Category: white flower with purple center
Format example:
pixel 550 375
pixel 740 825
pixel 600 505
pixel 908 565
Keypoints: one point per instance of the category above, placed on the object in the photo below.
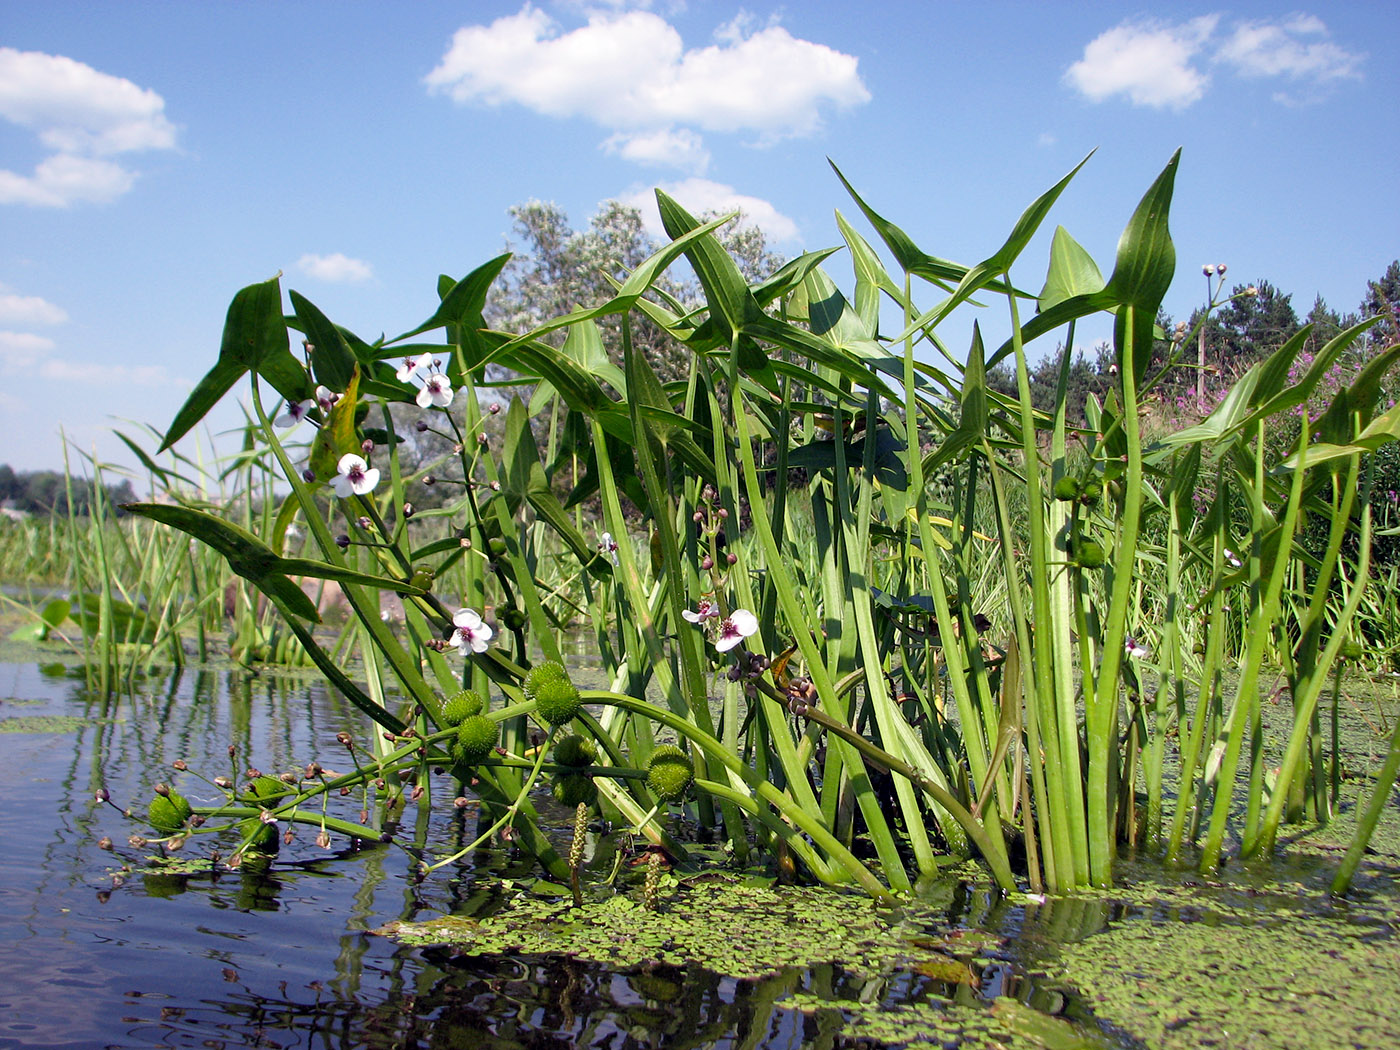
pixel 704 609
pixel 1135 650
pixel 607 547
pixel 354 476
pixel 326 398
pixel 437 390
pixel 296 412
pixel 1233 558
pixel 414 366
pixel 734 628
pixel 472 635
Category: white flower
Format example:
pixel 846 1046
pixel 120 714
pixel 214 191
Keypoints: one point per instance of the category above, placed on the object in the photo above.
pixel 734 628
pixel 413 367
pixel 296 412
pixel 326 398
pixel 354 475
pixel 471 634
pixel 1232 558
pixel 704 609
pixel 607 546
pixel 436 391
pixel 1134 649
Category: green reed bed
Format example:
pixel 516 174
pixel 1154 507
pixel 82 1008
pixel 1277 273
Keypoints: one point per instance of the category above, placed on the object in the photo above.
pixel 973 629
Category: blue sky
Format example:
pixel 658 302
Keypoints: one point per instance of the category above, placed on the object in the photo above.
pixel 156 157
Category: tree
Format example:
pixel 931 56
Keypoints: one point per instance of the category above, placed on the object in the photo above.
pixel 556 269
pixel 1383 298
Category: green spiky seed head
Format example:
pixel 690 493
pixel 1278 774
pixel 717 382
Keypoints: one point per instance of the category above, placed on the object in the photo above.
pixel 168 813
pixel 1351 650
pixel 1066 489
pixel 461 707
pixel 669 773
pixel 265 791
pixel 476 739
pixel 1091 490
pixel 1089 554
pixel 549 671
pixel 557 702
pixel 573 789
pixel 576 751
pixel 265 839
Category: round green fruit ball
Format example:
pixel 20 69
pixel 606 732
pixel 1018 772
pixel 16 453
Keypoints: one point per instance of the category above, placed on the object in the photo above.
pixel 571 789
pixel 461 707
pixel 576 751
pixel 264 837
pixel 540 675
pixel 168 813
pixel 477 737
pixel 557 702
pixel 669 773
pixel 1089 555
pixel 1066 489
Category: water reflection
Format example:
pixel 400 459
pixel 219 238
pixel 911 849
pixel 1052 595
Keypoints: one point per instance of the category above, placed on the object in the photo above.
pixel 283 954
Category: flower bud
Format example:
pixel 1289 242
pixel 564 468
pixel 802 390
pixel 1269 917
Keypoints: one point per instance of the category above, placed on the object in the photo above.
pixel 1208 269
pixel 421 426
pixel 407 510
pixel 163 790
pixel 223 782
pixel 102 795
pixel 323 840
pixel 366 448
pixel 342 541
pixel 495 408
pixel 180 764
pixel 104 843
pixel 1220 269
pixel 309 476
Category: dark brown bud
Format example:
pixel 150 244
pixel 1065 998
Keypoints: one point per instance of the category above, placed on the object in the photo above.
pixel 163 790
pixel 345 740
pixel 180 764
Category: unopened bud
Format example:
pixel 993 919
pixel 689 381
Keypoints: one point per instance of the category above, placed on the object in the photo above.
pixel 308 475
pixel 342 541
pixel 366 448
pixel 136 842
pixel 323 840
pixel 102 795
pixel 287 837
pixel 461 802
pixel 223 782
pixel 430 481
pixel 1220 269
pixel 421 426
pixel 1208 269
pixel 1251 290
pixel 180 764
pixel 707 563
pixel 253 774
pixel 481 438
pixel 267 817
pixel 495 408
pixel 104 843
pixel 408 510
pixel 344 739
pixel 163 790
pixel 177 843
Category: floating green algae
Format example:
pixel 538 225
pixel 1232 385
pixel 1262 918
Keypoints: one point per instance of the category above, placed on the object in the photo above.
pixel 1310 981
pixel 903 986
pixel 43 724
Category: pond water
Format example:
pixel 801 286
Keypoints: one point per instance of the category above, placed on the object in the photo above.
pixel 97 955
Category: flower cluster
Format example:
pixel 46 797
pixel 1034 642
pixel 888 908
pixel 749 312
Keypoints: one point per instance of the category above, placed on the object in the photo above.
pixel 436 391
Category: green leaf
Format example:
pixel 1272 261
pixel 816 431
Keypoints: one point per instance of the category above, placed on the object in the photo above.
pixel 332 361
pixel 337 434
pixel 1072 271
pixel 525 480
pixel 246 555
pixel 463 301
pixel 1144 269
pixel 725 288
pixel 255 339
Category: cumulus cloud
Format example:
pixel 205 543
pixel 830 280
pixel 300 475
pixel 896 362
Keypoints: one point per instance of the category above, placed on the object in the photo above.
pixel 1298 49
pixel 104 375
pixel 1159 64
pixel 335 267
pixel 1150 62
pixel 702 196
pixel 28 309
pixel 665 147
pixel 20 351
pixel 84 118
pixel 629 71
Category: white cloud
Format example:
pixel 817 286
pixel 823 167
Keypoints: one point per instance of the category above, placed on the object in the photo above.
pixel 82 116
pixel 22 350
pixel 1259 49
pixel 665 147
pixel 1150 62
pixel 702 196
pixel 630 72
pixel 28 309
pixel 335 267
pixel 104 375
pixel 1157 64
